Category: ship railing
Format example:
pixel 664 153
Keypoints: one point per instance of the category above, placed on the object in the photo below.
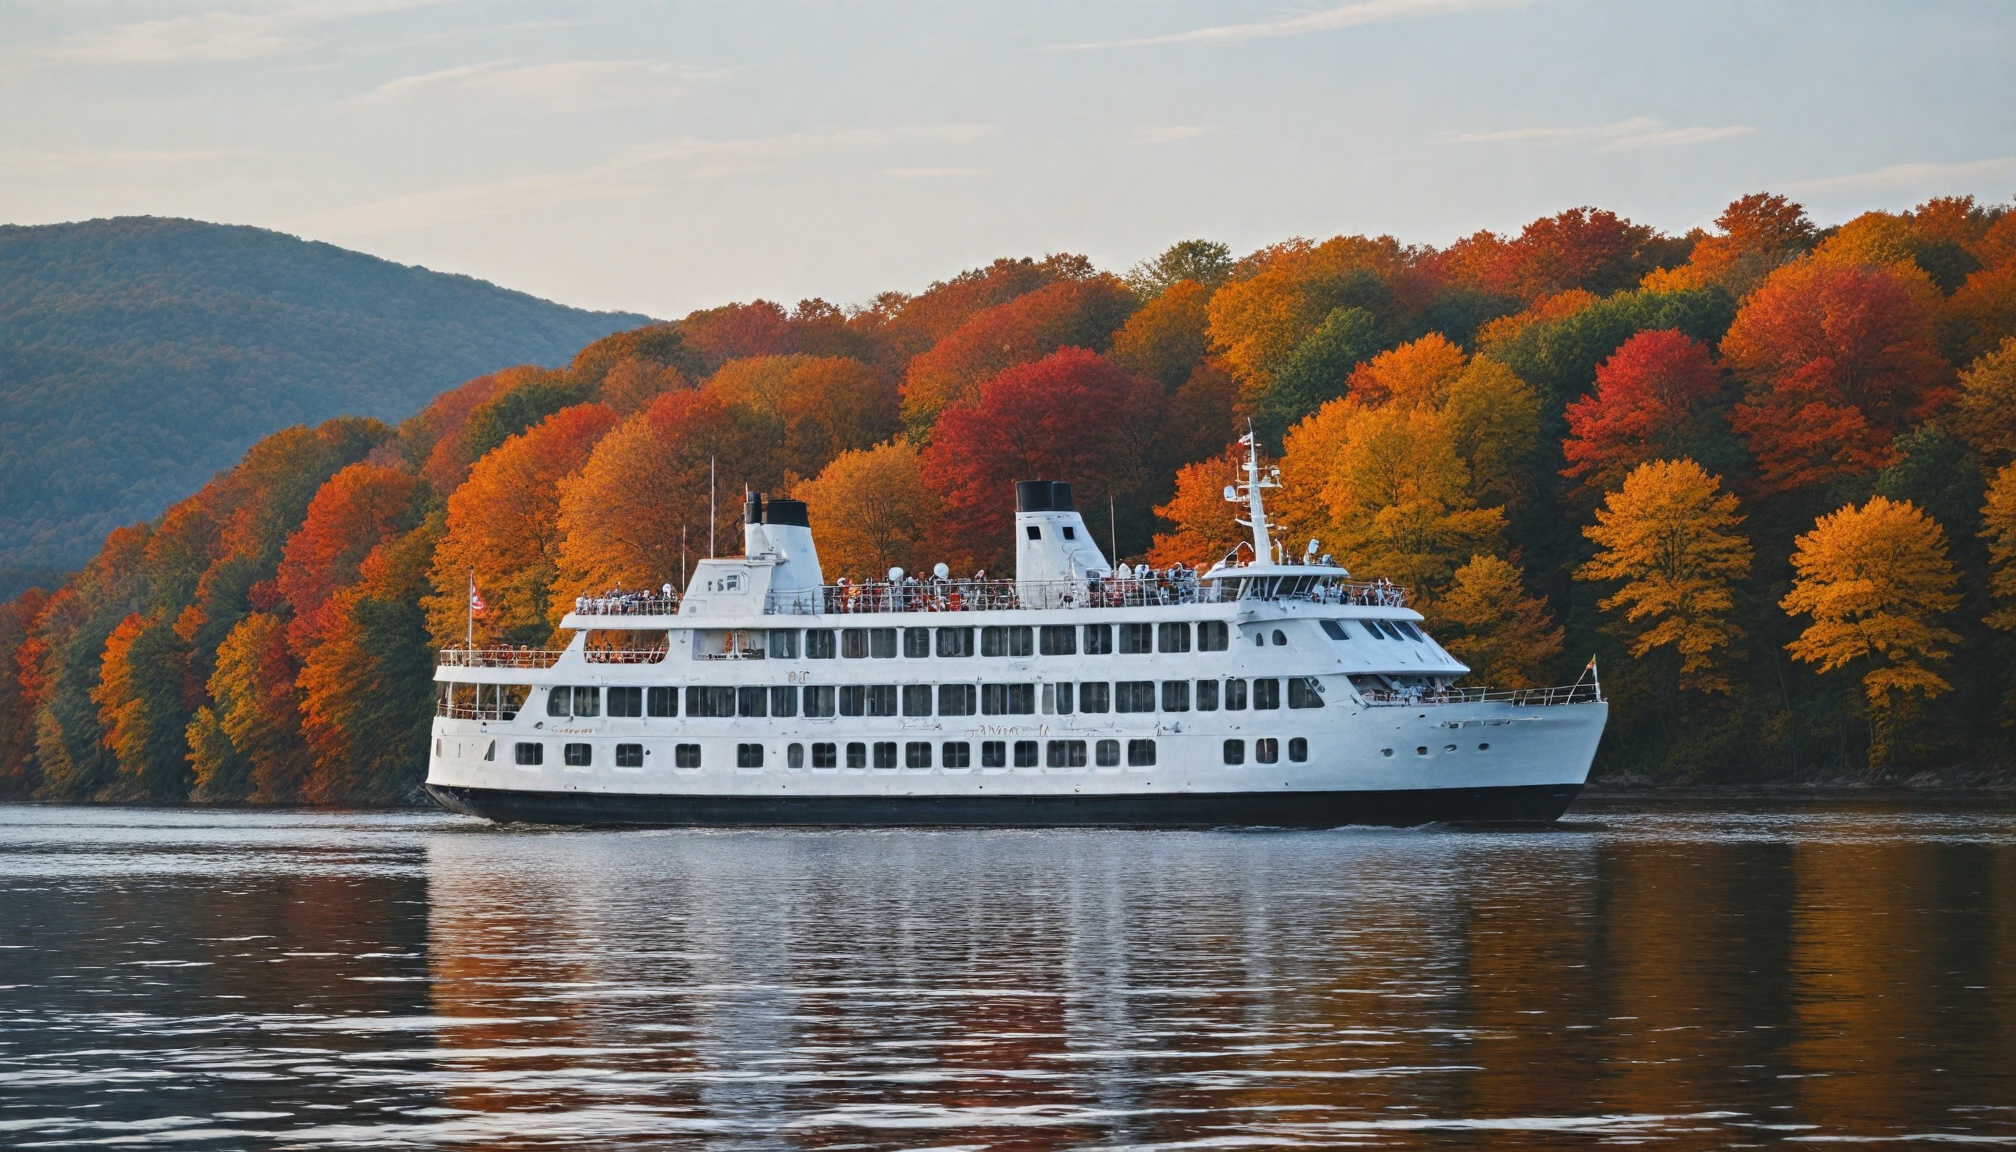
pixel 1585 692
pixel 1007 595
pixel 624 655
pixel 628 604
pixel 498 657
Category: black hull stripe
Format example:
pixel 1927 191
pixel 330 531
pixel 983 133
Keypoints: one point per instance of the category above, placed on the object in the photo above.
pixel 1524 804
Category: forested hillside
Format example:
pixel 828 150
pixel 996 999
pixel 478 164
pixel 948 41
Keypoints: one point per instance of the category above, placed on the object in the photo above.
pixel 140 355
pixel 1766 473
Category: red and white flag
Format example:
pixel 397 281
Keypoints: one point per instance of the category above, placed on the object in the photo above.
pixel 475 598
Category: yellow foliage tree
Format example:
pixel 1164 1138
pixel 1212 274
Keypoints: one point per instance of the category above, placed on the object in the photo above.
pixel 1165 340
pixel 871 511
pixel 1998 525
pixel 1417 374
pixel 1875 581
pixel 1985 417
pixel 1673 541
pixel 1262 316
pixel 1489 622
pixel 1494 417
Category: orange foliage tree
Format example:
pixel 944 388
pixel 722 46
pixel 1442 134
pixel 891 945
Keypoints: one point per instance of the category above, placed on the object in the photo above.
pixel 353 512
pixel 246 744
pixel 813 409
pixel 1075 313
pixel 1760 232
pixel 503 524
pixel 1165 340
pixel 1655 398
pixel 140 698
pixel 871 510
pixel 1072 416
pixel 1206 526
pixel 1836 360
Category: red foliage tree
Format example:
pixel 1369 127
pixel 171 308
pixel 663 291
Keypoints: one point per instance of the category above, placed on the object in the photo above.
pixel 359 508
pixel 1070 313
pixel 1072 415
pixel 1836 361
pixel 1654 400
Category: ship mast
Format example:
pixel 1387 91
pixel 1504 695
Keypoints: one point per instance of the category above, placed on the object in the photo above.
pixel 1256 508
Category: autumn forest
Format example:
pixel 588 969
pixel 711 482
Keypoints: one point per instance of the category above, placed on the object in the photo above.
pixel 1765 473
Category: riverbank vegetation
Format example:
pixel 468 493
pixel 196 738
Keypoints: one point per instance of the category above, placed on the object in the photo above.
pixel 1762 473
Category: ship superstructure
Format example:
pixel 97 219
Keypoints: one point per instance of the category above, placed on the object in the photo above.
pixel 1271 689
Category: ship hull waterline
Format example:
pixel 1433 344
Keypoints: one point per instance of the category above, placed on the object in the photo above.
pixel 1503 804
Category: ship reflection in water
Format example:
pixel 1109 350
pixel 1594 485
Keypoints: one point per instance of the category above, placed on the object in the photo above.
pixel 1679 974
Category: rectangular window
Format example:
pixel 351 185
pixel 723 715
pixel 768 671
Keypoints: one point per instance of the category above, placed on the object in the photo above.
pixel 1235 695
pixel 754 701
pixel 1134 696
pixel 715 702
pixel 783 700
pixel 578 755
pixel 882 643
pixel 854 643
pixel 1267 750
pixel 748 755
pixel 1025 754
pixel 1298 750
pixel 857 755
pixel 1213 636
pixel 993 754
pixel 1335 629
pixel 853 700
pixel 1065 754
pixel 661 702
pixel 957 754
pixel 1207 695
pixel 819 643
pixel 819 700
pixel 994 699
pixel 917 754
pixel 1172 637
pixel 956 699
pixel 1021 699
pixel 885 754
pixel 1266 693
pixel 794 757
pixel 1095 697
pixel 529 752
pixel 1235 751
pixel 1108 752
pixel 559 701
pixel 955 641
pixel 1305 692
pixel 1140 753
pixel 916 699
pixel 686 756
pixel 783 644
pixel 1175 695
pixel 1407 626
pixel 1058 640
pixel 1137 639
pixel 629 755
pixel 881 700
pixel 1057 699
pixel 1098 639
pixel 916 643
pixel 994 640
pixel 823 756
pixel 626 701
pixel 587 701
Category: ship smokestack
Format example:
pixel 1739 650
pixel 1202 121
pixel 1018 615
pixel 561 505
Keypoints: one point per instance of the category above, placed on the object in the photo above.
pixel 788 530
pixel 1051 540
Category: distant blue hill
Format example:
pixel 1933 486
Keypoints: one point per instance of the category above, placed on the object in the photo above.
pixel 140 355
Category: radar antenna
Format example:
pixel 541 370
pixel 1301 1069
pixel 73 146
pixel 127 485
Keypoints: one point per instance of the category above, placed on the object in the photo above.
pixel 1264 549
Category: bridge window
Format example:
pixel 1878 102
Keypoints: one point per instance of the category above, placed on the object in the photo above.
pixel 1213 636
pixel 1140 753
pixel 579 755
pixel 955 641
pixel 530 753
pixel 661 702
pixel 956 699
pixel 1305 692
pixel 1335 629
pixel 1408 627
pixel 626 701
pixel 686 756
pixel 819 643
pixel 629 755
pixel 819 700
pixel 1172 637
pixel 1098 639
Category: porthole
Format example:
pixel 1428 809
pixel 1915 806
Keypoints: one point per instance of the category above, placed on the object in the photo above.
pixel 1421 751
pixel 1385 752
pixel 1486 747
pixel 1448 748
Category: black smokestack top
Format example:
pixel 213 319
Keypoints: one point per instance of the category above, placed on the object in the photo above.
pixel 752 508
pixel 779 510
pixel 1043 496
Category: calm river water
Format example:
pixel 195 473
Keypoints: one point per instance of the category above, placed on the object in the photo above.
pixel 1678 973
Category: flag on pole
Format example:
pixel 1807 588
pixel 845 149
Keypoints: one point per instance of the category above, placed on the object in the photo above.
pixel 476 604
pixel 1247 439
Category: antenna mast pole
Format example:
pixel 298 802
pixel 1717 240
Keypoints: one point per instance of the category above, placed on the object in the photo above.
pixel 710 507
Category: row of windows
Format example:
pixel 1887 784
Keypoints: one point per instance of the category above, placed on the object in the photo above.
pixel 941 700
pixel 1003 640
pixel 1378 629
pixel 918 754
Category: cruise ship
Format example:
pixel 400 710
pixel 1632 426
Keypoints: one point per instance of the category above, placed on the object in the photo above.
pixel 1270 690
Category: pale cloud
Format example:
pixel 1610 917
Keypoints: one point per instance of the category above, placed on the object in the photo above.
pixel 204 38
pixel 571 84
pixel 1623 136
pixel 1906 176
pixel 929 173
pixel 1173 133
pixel 1328 20
pixel 22 161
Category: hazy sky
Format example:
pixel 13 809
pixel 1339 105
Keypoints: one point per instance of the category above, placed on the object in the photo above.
pixel 667 156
